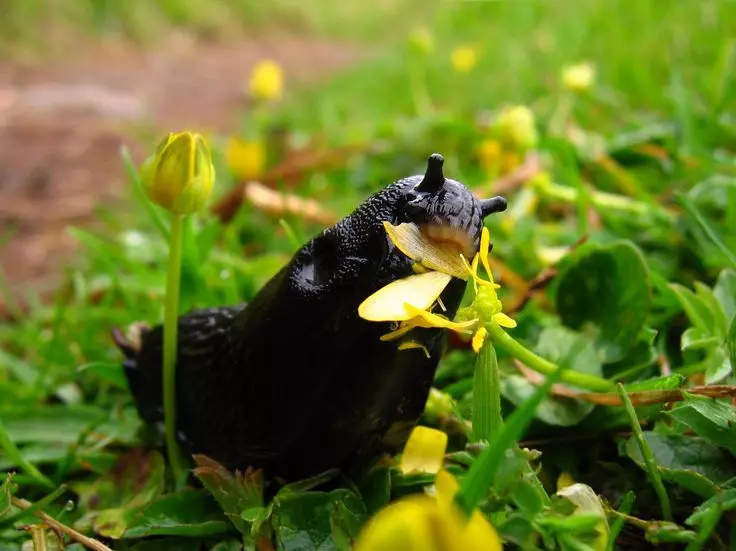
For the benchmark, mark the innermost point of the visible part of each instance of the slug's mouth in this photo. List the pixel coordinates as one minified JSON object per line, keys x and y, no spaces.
{"x":450,"y":237}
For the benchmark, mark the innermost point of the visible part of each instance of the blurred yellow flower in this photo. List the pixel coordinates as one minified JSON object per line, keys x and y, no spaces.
{"x":267,"y":81}
{"x":489,"y":155}
{"x":516,"y":128}
{"x":464,"y":58}
{"x":246,"y":159}
{"x":421,"y":41}
{"x":180,"y":175}
{"x":428,"y":522}
{"x":578,"y":77}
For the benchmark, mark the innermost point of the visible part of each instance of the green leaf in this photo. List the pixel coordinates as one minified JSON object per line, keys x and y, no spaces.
{"x":725,"y":292}
{"x":717,"y":366}
{"x":606,"y":291}
{"x":678,"y":456}
{"x":114,"y":498}
{"x":235,"y":493}
{"x":694,"y":338}
{"x":726,"y":500}
{"x":110,"y":372}
{"x":698,"y":312}
{"x":554,"y":410}
{"x":166,"y":544}
{"x":731,"y":343}
{"x":308,"y":520}
{"x":5,"y":496}
{"x":712,"y":419}
{"x":375,"y":488}
{"x":188,"y":512}
{"x":706,"y":295}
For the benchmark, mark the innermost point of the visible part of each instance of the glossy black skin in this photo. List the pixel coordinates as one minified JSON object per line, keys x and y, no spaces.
{"x":296,"y":382}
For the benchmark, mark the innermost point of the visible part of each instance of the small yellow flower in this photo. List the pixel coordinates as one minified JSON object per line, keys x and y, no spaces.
{"x":489,"y":155}
{"x":516,"y":128}
{"x":464,"y":58}
{"x":267,"y":81}
{"x":579,"y":77}
{"x":180,"y":175}
{"x":430,"y":522}
{"x":411,"y":299}
{"x":421,"y":41}
{"x":246,"y":159}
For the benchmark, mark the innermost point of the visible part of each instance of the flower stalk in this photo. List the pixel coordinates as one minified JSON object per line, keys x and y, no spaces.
{"x":171,"y":336}
{"x":545,"y":367}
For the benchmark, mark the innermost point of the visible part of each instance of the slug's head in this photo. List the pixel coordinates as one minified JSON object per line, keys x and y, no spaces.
{"x":445,"y":210}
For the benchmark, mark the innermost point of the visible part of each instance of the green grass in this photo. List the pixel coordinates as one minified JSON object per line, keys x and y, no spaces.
{"x":647,"y":302}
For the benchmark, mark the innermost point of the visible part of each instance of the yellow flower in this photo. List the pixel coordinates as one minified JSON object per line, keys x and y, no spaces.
{"x":430,"y":522}
{"x":516,"y":128}
{"x":464,"y":58}
{"x":489,"y":155}
{"x":180,"y":175}
{"x":421,"y":41}
{"x":267,"y":81}
{"x":410,"y":300}
{"x":246,"y":159}
{"x":579,"y":77}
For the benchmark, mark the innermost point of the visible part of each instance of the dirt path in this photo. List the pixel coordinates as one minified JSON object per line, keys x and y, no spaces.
{"x":62,"y":124}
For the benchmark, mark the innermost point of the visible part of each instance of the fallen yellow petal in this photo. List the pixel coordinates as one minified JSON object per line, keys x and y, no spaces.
{"x":479,"y":338}
{"x":390,"y":303}
{"x":503,"y":320}
{"x":424,"y":451}
{"x":441,"y":256}
{"x":412,"y":345}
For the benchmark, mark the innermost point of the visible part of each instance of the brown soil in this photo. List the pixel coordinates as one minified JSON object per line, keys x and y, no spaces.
{"x":63,"y":122}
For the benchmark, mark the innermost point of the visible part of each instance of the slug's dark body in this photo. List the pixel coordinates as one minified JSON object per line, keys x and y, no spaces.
{"x":295,"y":382}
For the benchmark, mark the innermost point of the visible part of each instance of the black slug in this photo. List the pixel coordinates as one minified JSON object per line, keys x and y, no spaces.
{"x":295,"y":382}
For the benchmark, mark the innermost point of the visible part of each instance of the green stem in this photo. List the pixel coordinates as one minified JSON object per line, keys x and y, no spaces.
{"x":171,"y":330}
{"x":646,"y":454}
{"x":487,"y":418}
{"x":539,"y":364}
{"x":15,"y":456}
{"x":602,"y":200}
{"x":475,"y":485}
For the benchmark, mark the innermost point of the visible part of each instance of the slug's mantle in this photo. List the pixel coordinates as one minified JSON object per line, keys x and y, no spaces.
{"x":295,"y":381}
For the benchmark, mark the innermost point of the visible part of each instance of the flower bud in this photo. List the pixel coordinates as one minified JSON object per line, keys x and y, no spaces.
{"x":464,"y":58}
{"x":578,"y":78}
{"x":516,"y":128}
{"x":267,"y":81}
{"x":420,"y":41}
{"x":180,"y":175}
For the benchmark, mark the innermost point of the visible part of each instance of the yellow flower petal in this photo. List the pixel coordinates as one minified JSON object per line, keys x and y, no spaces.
{"x":435,"y":320}
{"x":441,"y":256}
{"x":405,"y":525}
{"x":412,"y":345}
{"x":485,"y":246}
{"x":564,"y":480}
{"x":503,"y":320}
{"x":446,"y":486}
{"x":479,"y":535}
{"x":586,"y":501}
{"x":424,"y":451}
{"x":479,"y":338}
{"x":390,"y":302}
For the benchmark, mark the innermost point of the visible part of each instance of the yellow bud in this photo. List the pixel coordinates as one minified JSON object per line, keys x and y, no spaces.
{"x":516,"y":128}
{"x":579,"y":77}
{"x":180,"y":175}
{"x":246,"y":159}
{"x":421,"y":42}
{"x":267,"y":81}
{"x":464,"y":58}
{"x":489,"y":155}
